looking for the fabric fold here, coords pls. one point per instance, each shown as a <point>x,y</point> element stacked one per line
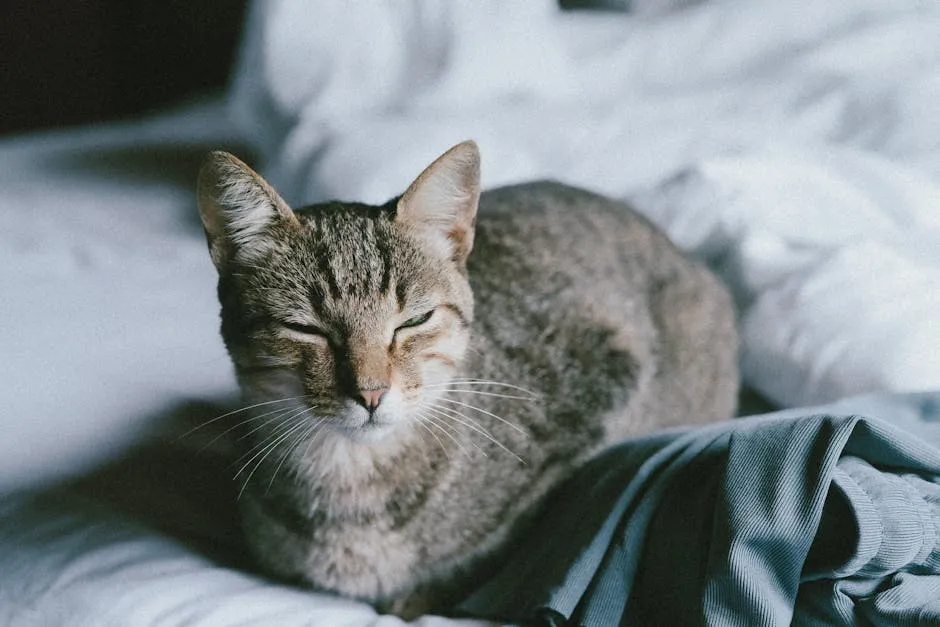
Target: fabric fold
<point>817,518</point>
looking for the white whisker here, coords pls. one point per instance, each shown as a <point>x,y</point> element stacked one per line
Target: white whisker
<point>276,432</point>
<point>421,422</point>
<point>279,415</point>
<point>480,393</point>
<point>265,452</point>
<point>238,411</point>
<point>472,381</point>
<point>285,424</point>
<point>311,431</point>
<point>443,429</point>
<point>483,411</point>
<point>242,423</point>
<point>320,430</point>
<point>451,414</point>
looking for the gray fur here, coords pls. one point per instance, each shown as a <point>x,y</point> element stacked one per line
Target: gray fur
<point>589,323</point>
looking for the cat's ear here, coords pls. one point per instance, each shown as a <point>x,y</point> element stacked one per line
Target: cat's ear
<point>442,202</point>
<point>237,208</point>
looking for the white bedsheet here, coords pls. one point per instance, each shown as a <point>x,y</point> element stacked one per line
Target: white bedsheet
<point>109,312</point>
<point>795,145</point>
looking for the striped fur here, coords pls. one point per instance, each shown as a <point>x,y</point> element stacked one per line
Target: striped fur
<point>412,403</point>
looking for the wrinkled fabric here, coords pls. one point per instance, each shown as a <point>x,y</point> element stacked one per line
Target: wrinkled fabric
<point>815,518</point>
<point>793,145</point>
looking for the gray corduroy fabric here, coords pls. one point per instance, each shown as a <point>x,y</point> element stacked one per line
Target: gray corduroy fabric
<point>821,517</point>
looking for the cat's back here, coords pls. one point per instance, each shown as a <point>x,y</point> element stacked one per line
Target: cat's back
<point>549,231</point>
<point>567,254</point>
<point>597,309</point>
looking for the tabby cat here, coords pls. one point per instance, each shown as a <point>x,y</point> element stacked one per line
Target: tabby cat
<point>412,403</point>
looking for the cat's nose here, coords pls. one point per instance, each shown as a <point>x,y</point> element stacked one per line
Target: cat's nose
<point>372,398</point>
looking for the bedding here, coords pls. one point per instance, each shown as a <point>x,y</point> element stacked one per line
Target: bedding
<point>794,146</point>
<point>813,516</point>
<point>806,517</point>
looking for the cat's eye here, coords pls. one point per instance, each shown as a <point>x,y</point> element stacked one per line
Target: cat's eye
<point>305,329</point>
<point>417,320</point>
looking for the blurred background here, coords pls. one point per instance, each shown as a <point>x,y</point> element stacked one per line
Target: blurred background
<point>69,62</point>
<point>794,146</point>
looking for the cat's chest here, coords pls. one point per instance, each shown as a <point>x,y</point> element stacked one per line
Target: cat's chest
<point>376,487</point>
<point>366,535</point>
<point>342,547</point>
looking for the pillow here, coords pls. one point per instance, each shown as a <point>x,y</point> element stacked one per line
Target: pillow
<point>833,259</point>
<point>331,61</point>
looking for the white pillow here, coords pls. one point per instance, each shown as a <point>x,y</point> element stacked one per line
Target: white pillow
<point>330,61</point>
<point>834,258</point>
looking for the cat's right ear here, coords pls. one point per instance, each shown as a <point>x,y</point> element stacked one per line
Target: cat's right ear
<point>442,202</point>
<point>237,208</point>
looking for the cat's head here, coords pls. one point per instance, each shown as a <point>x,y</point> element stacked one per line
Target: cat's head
<point>357,313</point>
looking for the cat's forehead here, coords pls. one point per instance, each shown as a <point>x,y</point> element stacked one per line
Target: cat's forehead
<point>338,211</point>
<point>350,257</point>
<point>352,231</point>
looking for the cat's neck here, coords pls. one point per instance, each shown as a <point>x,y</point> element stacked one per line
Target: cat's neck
<point>349,477</point>
<point>339,459</point>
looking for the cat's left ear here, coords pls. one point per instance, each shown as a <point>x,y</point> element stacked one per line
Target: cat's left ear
<point>442,202</point>
<point>237,207</point>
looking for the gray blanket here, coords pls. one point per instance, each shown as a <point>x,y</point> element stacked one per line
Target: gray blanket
<point>808,518</point>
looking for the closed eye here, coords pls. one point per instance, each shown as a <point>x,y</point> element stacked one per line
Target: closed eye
<point>416,321</point>
<point>305,329</point>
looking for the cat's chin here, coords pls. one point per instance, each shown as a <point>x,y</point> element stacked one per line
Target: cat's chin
<point>369,432</point>
<point>362,427</point>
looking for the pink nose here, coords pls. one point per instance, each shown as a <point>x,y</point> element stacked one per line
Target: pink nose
<point>372,398</point>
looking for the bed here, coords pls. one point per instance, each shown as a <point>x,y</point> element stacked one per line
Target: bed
<point>794,146</point>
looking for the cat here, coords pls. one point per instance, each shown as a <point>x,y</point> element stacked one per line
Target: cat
<point>412,403</point>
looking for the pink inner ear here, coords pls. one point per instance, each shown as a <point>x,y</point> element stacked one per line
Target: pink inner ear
<point>442,201</point>
<point>462,237</point>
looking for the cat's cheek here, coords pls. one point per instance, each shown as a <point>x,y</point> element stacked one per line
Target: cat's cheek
<point>435,372</point>
<point>320,378</point>
<point>271,384</point>
<point>405,377</point>
<point>440,361</point>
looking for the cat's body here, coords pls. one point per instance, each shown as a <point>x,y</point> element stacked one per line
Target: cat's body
<point>434,425</point>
